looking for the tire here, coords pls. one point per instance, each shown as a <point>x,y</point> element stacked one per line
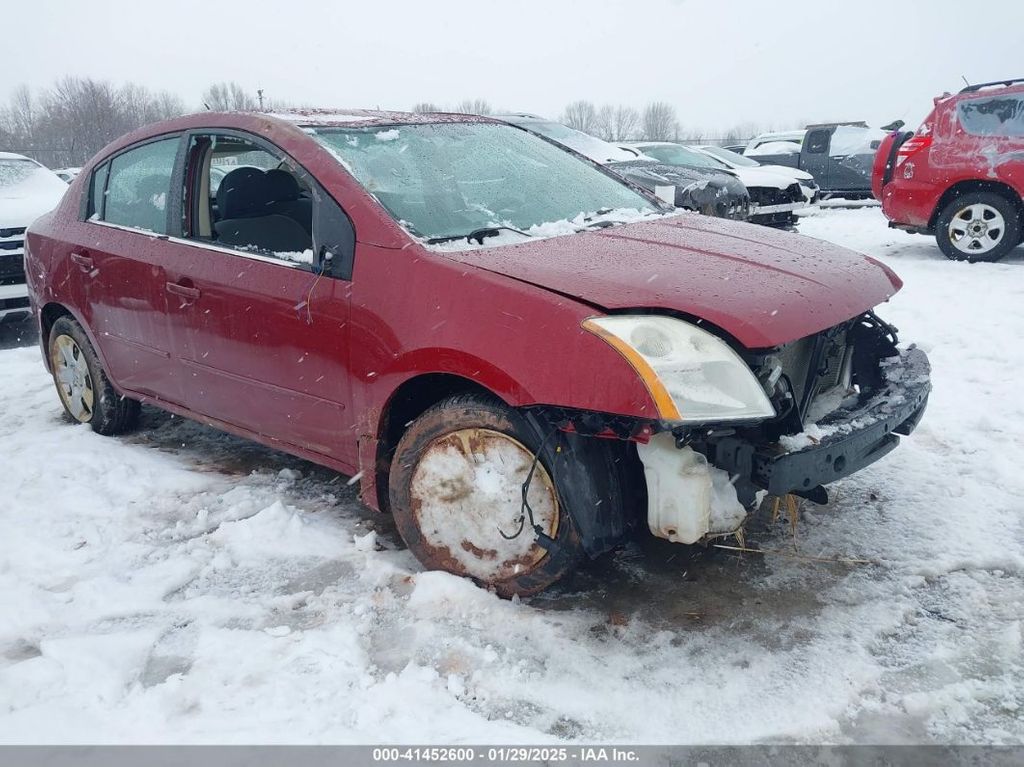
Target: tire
<point>449,509</point>
<point>978,227</point>
<point>82,385</point>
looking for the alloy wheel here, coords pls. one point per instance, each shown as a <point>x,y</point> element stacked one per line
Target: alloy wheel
<point>977,229</point>
<point>74,381</point>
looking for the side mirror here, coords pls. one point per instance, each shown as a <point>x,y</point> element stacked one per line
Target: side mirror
<point>325,258</point>
<point>334,239</point>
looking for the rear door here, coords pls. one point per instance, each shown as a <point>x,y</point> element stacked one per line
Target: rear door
<point>121,255</point>
<point>261,334</point>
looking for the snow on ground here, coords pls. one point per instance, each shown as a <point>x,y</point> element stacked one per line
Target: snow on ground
<point>179,585</point>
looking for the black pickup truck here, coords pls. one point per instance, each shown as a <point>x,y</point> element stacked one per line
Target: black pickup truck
<point>838,155</point>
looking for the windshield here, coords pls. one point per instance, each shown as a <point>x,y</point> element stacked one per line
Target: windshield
<point>15,171</point>
<point>676,154</point>
<point>589,146</point>
<point>444,179</point>
<point>731,158</point>
<point>22,178</point>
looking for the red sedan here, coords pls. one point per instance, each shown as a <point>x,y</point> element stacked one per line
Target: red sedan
<point>518,354</point>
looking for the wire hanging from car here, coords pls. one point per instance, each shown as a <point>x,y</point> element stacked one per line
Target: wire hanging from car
<point>525,510</point>
<point>324,263</point>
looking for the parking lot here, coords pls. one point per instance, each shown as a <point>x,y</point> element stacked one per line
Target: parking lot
<point>180,585</point>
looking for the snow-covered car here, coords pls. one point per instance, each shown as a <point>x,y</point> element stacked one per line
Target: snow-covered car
<point>769,143</point>
<point>774,197</point>
<point>27,191</point>
<point>67,175</point>
<point>518,354</point>
<point>702,190</point>
<point>737,161</point>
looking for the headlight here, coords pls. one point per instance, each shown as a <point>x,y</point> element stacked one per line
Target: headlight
<point>692,375</point>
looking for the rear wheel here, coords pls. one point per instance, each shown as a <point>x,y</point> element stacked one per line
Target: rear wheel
<point>979,226</point>
<point>83,386</point>
<point>456,487</point>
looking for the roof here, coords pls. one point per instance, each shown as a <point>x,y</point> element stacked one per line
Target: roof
<point>367,117</point>
<point>13,156</point>
<point>979,86</point>
<point>277,124</point>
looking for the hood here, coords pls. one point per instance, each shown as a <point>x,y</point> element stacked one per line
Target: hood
<point>29,197</point>
<point>761,286</point>
<point>695,189</point>
<point>785,170</point>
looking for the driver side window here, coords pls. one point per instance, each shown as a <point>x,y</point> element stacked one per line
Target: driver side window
<point>817,141</point>
<point>246,198</point>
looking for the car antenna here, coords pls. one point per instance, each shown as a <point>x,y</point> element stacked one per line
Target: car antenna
<point>965,81</point>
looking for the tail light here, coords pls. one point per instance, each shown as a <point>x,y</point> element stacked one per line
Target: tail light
<point>912,146</point>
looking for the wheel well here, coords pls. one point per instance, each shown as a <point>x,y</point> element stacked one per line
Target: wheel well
<point>413,398</point>
<point>48,315</point>
<point>966,187</point>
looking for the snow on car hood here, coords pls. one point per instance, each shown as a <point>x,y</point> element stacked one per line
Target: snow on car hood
<point>29,197</point>
<point>785,170</point>
<point>764,177</point>
<point>761,286</point>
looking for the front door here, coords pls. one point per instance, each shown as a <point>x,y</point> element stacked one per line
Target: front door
<point>262,335</point>
<point>814,155</point>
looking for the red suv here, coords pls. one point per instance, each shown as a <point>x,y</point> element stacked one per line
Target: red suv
<point>961,175</point>
<point>517,353</point>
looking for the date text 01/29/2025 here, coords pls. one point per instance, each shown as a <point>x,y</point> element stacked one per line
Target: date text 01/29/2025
<point>504,754</point>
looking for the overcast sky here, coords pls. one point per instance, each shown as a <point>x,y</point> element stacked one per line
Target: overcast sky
<point>768,62</point>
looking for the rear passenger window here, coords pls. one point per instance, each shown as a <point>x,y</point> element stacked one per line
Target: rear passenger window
<point>97,189</point>
<point>999,116</point>
<point>138,186</point>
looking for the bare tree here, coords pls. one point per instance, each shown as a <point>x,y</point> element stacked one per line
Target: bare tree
<point>426,106</point>
<point>21,114</point>
<point>85,113</point>
<point>474,107</point>
<point>140,106</point>
<point>625,121</point>
<point>659,122</point>
<point>604,123</point>
<point>70,122</point>
<point>581,115</point>
<point>228,97</point>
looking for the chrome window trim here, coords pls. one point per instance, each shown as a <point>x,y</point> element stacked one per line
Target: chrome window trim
<point>204,245</point>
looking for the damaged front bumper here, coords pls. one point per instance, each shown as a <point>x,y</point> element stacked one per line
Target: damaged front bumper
<point>845,441</point>
<point>698,489</point>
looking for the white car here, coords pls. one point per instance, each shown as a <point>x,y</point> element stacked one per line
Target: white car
<point>738,162</point>
<point>774,197</point>
<point>778,142</point>
<point>27,191</point>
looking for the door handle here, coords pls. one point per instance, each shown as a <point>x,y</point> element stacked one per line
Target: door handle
<point>182,290</point>
<point>84,262</point>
